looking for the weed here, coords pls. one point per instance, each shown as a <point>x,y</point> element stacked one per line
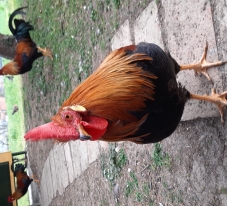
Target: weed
<point>132,184</point>
<point>129,189</point>
<point>103,45</point>
<point>112,163</point>
<point>175,198</point>
<point>70,202</point>
<point>94,15</point>
<point>107,2</point>
<point>152,203</point>
<point>223,191</point>
<point>116,3</point>
<point>146,189</point>
<point>14,95</point>
<point>104,202</point>
<point>121,159</point>
<point>139,196</point>
<point>134,179</point>
<point>157,1</point>
<point>159,158</point>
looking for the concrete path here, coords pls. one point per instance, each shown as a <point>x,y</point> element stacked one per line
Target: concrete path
<point>186,45</point>
<point>70,159</point>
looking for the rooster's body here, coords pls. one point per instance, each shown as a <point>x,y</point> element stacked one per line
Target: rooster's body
<point>23,182</point>
<point>132,96</point>
<point>26,51</point>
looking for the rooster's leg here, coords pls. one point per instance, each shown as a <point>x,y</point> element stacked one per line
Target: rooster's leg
<point>218,99</point>
<point>202,65</point>
<point>34,179</point>
<point>45,52</point>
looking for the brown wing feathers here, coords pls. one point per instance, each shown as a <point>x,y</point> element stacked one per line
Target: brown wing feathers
<point>108,91</point>
<point>111,89</point>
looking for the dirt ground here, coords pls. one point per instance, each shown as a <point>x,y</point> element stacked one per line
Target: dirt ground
<point>196,173</point>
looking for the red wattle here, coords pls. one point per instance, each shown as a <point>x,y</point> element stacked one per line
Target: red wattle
<point>95,126</point>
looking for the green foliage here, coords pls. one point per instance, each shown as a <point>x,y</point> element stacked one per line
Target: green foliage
<point>73,31</point>
<point>157,1</point>
<point>132,184</point>
<point>139,196</point>
<point>113,163</point>
<point>159,158</point>
<point>137,189</point>
<point>116,4</point>
<point>13,93</point>
<point>223,191</point>
<point>129,188</point>
<point>107,2</point>
<point>94,15</point>
<point>146,189</point>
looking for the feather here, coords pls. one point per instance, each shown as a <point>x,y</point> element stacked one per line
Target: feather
<point>122,81</point>
<point>11,68</point>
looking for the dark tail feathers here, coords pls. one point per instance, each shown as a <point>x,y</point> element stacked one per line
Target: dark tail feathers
<point>21,27</point>
<point>19,167</point>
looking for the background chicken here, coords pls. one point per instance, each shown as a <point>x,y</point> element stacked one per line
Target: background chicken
<point>26,50</point>
<point>132,96</point>
<point>23,182</point>
<point>15,109</point>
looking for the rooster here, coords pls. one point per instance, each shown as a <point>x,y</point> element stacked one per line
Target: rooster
<point>132,96</point>
<point>23,182</point>
<point>26,50</point>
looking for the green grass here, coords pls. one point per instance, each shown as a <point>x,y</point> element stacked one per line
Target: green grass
<point>134,188</point>
<point>73,34</point>
<point>13,93</point>
<point>132,184</point>
<point>6,8</point>
<point>116,3</point>
<point>16,131</point>
<point>74,31</point>
<point>112,163</point>
<point>65,39</point>
<point>159,158</point>
<point>13,90</point>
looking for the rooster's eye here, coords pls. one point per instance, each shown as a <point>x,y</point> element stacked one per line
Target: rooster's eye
<point>68,117</point>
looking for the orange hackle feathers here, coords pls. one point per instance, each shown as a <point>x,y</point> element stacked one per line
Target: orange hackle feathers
<point>116,76</point>
<point>108,91</point>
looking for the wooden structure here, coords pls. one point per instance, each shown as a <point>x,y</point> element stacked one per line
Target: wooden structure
<point>7,180</point>
<point>7,183</point>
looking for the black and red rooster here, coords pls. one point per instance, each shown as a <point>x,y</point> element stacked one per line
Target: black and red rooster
<point>132,96</point>
<point>26,51</point>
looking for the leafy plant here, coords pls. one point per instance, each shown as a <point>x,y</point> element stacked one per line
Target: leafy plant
<point>159,158</point>
<point>132,184</point>
<point>116,4</point>
<point>112,163</point>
